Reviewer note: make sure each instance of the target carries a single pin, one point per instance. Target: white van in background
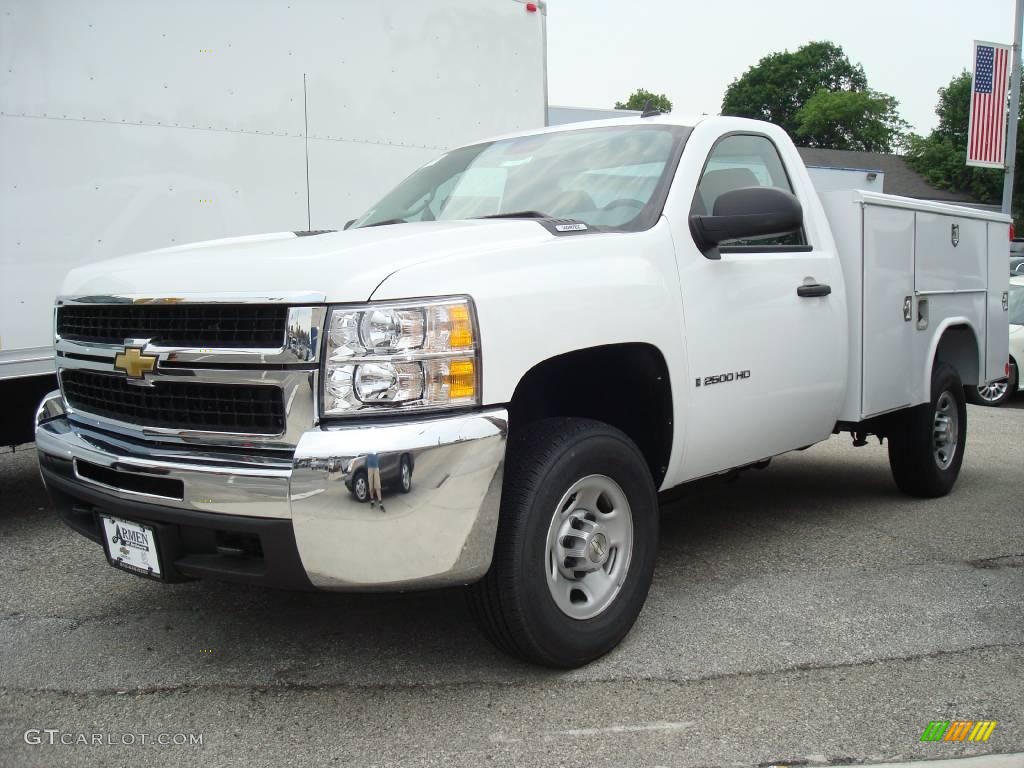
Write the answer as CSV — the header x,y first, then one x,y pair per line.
x,y
126,127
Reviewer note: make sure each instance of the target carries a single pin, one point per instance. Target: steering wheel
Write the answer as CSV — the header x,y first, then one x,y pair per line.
x,y
428,215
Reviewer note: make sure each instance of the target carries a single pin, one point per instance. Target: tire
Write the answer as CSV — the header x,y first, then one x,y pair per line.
x,y
405,475
361,486
923,462
995,394
515,604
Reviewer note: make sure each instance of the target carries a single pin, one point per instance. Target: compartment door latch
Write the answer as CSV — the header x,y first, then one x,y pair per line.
x,y
922,314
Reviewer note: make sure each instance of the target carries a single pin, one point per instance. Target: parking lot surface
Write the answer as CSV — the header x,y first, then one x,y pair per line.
x,y
807,613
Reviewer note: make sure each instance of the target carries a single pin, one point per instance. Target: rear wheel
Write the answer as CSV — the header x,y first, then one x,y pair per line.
x,y
405,477
576,544
997,392
926,449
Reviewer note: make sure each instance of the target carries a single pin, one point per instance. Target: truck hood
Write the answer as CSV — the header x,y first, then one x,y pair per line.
x,y
335,267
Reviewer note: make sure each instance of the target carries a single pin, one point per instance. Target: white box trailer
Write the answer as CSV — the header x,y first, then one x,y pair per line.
x,y
127,126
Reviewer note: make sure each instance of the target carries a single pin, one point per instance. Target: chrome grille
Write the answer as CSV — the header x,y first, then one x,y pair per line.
x,y
182,405
214,326
236,370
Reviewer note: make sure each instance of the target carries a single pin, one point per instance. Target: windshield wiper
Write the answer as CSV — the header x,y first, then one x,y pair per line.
x,y
385,223
517,215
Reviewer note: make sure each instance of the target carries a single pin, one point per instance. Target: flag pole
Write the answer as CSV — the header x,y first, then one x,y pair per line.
x,y
1011,132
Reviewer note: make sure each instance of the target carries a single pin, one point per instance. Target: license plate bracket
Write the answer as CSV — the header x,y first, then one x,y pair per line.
x,y
131,547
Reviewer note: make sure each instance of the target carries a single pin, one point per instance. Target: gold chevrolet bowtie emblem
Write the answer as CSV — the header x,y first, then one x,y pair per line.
x,y
134,363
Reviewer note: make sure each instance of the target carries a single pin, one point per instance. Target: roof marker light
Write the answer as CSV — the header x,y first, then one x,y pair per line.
x,y
531,7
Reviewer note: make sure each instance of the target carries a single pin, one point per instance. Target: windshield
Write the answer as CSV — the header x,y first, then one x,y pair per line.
x,y
1016,304
611,178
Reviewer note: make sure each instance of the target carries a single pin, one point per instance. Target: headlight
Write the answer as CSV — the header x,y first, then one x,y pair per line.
x,y
407,355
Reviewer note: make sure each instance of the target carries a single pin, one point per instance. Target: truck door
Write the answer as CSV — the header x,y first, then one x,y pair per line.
x,y
765,325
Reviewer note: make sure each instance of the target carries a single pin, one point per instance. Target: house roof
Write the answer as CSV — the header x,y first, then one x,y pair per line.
x,y
900,178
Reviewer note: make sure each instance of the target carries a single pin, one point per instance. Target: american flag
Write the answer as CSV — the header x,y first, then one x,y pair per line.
x,y
986,136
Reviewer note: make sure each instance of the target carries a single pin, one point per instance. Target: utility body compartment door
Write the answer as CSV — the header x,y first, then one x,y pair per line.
x,y
951,253
887,309
997,335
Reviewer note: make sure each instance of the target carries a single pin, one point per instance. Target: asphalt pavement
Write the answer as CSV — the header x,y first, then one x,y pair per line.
x,y
806,614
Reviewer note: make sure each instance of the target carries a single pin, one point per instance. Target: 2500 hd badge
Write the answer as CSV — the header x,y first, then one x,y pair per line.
x,y
722,378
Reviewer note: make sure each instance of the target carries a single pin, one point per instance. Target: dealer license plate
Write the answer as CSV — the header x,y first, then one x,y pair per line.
x,y
131,546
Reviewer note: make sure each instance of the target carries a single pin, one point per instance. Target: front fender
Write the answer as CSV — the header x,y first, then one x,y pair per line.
x,y
543,300
540,301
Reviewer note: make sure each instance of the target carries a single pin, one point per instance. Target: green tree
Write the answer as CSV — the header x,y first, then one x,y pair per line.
x,y
780,84
861,120
820,98
954,109
638,98
941,157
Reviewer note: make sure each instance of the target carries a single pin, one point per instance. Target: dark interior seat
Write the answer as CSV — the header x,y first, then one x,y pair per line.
x,y
716,183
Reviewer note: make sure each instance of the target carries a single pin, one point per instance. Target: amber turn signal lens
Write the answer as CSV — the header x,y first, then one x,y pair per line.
x,y
461,379
460,325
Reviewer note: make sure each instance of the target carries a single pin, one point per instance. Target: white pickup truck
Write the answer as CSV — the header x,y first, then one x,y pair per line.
x,y
488,378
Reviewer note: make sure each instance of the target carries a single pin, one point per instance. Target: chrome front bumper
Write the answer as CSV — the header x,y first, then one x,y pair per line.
x,y
439,532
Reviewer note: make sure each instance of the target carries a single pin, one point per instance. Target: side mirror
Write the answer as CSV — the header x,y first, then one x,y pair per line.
x,y
747,212
349,223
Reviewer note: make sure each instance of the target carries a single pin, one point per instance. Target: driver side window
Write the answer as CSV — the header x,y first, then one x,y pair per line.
x,y
737,162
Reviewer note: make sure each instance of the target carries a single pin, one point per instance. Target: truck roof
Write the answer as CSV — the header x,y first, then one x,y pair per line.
x,y
665,119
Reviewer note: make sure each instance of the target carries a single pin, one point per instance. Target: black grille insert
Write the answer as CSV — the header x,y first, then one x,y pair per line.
x,y
129,481
253,409
177,325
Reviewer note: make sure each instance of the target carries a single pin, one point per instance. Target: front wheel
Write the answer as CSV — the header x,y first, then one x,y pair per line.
x,y
576,544
361,486
926,449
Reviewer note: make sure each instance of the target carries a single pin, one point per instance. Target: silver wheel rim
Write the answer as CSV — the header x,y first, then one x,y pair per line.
x,y
945,430
993,392
360,488
589,547
406,480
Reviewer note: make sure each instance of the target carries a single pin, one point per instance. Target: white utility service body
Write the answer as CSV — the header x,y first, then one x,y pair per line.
x,y
945,267
129,127
659,300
